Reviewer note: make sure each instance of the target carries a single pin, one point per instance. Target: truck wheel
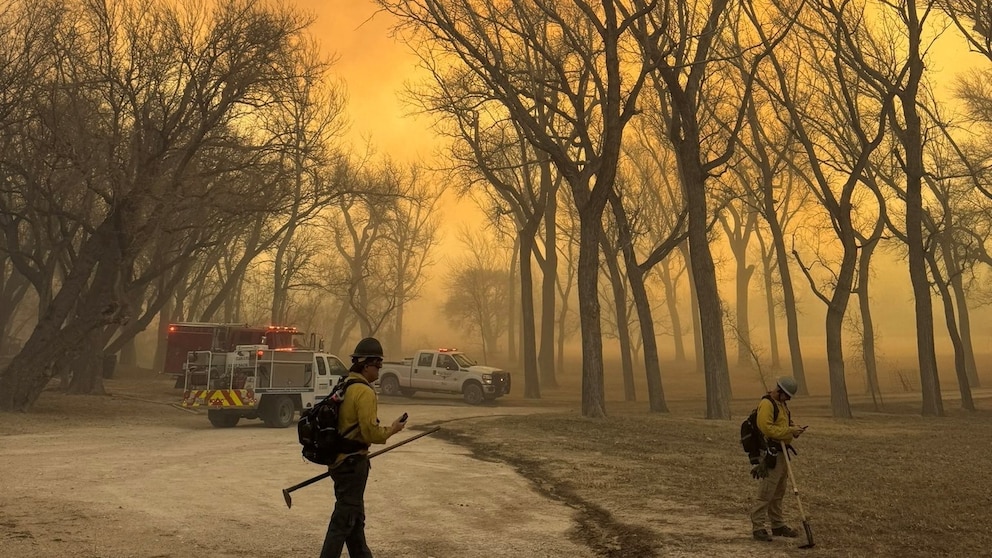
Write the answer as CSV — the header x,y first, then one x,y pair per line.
x,y
279,413
223,419
473,393
390,386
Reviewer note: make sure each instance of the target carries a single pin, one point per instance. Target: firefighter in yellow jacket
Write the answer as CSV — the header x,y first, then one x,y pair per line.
x,y
350,472
778,428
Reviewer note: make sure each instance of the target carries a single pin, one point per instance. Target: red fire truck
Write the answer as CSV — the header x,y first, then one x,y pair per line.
x,y
184,337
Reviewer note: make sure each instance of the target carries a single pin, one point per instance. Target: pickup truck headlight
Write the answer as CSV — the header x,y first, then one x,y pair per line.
x,y
487,379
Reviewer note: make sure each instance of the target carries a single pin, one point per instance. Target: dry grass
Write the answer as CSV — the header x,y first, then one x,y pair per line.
x,y
892,484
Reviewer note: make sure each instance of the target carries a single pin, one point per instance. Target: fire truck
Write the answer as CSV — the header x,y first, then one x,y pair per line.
x,y
184,337
255,381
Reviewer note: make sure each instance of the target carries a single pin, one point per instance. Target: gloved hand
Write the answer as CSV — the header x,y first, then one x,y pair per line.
x,y
759,471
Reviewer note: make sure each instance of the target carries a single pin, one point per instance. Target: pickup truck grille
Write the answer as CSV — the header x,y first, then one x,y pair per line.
x,y
501,381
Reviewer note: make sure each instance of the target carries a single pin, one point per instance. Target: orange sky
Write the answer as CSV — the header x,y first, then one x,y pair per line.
x,y
374,66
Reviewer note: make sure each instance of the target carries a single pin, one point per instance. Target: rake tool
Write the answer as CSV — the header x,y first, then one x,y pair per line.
x,y
322,476
795,490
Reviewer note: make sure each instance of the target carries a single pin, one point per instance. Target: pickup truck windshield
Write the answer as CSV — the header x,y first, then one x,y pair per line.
x,y
463,360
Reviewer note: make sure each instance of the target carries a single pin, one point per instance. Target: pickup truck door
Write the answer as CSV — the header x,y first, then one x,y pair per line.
x,y
323,384
336,369
449,374
423,374
330,370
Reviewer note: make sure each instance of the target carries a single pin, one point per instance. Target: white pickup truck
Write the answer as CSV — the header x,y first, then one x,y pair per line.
x,y
443,371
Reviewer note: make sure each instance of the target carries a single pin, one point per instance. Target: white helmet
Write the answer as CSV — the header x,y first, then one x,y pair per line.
x,y
788,385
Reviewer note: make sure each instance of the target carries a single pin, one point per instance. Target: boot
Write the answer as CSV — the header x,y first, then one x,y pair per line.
x,y
785,531
761,535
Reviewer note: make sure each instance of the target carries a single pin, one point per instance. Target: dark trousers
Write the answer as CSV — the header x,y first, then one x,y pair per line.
x,y
347,526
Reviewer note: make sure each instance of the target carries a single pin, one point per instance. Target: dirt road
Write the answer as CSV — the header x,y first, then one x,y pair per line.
x,y
129,479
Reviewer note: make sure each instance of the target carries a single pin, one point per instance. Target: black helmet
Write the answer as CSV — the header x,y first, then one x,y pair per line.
x,y
370,347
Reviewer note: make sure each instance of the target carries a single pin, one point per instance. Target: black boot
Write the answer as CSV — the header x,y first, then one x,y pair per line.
x,y
785,531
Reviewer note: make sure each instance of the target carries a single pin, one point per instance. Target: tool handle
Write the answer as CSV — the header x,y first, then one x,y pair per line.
x,y
795,489
308,482
323,476
407,441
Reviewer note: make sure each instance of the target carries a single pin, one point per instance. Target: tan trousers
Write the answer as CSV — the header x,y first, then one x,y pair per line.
x,y
768,503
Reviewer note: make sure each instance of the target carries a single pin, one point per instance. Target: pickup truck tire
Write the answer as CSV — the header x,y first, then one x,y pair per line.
x,y
279,412
472,391
223,419
389,385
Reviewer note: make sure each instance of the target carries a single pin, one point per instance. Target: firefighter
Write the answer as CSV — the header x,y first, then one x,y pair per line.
x,y
778,428
350,472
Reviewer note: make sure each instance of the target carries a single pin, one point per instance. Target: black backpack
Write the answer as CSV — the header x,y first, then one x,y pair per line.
x,y
752,440
318,428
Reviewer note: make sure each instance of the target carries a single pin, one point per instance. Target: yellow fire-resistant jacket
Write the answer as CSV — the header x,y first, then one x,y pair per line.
x,y
361,406
775,430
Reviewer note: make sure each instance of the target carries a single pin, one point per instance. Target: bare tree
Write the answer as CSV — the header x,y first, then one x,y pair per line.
x,y
594,77
693,83
840,123
740,224
477,291
145,149
491,151
382,235
778,197
620,324
304,121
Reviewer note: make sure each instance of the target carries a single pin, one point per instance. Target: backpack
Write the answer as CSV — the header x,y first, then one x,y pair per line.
x,y
752,440
318,428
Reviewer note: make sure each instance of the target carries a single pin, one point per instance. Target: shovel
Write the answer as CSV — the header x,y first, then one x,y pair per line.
x,y
795,490
286,491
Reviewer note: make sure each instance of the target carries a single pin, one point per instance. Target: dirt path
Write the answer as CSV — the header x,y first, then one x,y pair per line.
x,y
181,488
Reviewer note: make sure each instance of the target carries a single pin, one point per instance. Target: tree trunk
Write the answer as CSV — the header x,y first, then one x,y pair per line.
x,y
926,355
635,277
716,373
836,310
511,320
964,318
87,376
652,364
129,353
697,335
739,226
593,391
546,356
532,382
13,287
672,301
398,325
744,347
867,324
165,317
788,295
769,284
952,330
912,140
623,331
